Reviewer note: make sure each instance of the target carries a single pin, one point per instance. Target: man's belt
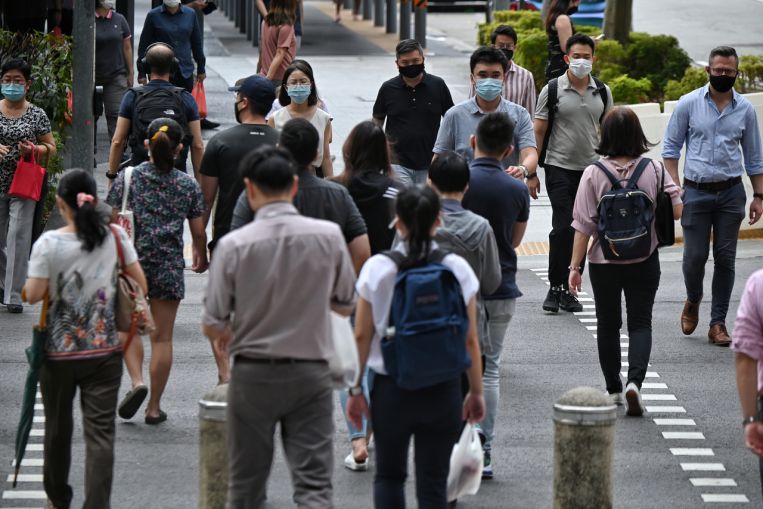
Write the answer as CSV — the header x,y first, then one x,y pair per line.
x,y
713,187
277,360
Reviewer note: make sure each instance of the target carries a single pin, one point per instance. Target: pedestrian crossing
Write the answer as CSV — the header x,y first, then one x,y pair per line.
x,y
587,318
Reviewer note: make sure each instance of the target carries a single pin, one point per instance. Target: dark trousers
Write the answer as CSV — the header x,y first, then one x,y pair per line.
x,y
432,416
98,382
639,282
722,213
562,186
179,81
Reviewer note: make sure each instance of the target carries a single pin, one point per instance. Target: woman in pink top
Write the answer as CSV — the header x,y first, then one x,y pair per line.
x,y
279,43
622,145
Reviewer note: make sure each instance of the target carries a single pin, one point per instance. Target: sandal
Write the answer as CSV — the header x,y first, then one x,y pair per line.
x,y
156,420
132,401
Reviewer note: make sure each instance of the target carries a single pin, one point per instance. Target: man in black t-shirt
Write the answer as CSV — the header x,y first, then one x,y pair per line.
x,y
413,103
226,150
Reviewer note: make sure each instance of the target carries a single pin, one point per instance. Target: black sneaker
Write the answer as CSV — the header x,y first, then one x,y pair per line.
x,y
568,302
552,300
208,124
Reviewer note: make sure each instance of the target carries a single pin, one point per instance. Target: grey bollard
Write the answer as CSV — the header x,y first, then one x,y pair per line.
x,y
584,436
213,449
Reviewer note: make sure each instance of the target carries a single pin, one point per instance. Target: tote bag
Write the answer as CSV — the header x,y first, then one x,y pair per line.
x,y
28,179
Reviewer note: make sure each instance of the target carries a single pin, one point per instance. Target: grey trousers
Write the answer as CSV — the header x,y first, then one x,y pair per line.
x,y
299,397
409,176
113,91
16,222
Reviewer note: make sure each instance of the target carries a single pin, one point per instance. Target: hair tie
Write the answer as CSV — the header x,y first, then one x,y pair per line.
x,y
162,129
83,198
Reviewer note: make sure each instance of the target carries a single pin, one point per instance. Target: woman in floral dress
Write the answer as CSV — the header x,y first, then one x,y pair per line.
x,y
161,199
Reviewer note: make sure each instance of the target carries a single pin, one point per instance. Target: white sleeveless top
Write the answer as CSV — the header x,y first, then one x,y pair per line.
x,y
320,120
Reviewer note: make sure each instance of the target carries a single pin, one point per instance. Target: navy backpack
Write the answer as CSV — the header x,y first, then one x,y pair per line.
x,y
425,343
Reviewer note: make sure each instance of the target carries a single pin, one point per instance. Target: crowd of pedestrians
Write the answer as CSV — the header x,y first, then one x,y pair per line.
x,y
431,191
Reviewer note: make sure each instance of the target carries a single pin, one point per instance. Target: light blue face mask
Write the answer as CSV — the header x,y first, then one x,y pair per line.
x,y
298,93
13,91
489,88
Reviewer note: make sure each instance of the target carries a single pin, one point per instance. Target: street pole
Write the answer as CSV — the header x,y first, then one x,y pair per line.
x,y
379,13
368,10
82,144
405,19
213,451
391,17
420,22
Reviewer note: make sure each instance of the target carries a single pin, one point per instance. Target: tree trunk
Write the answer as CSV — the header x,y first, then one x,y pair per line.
x,y
618,18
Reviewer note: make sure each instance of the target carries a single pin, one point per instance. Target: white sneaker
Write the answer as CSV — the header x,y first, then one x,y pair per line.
x,y
350,463
633,405
616,398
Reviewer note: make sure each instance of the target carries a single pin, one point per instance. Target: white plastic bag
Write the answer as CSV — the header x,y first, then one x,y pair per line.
x,y
465,465
344,363
126,218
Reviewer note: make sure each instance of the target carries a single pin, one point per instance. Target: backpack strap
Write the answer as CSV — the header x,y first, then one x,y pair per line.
x,y
610,176
437,256
553,106
633,181
602,91
395,256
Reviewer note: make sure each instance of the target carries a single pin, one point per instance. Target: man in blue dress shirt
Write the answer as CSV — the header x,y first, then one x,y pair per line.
x,y
714,122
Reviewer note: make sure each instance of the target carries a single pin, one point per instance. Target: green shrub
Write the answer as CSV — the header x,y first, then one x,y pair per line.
x,y
610,60
693,78
532,53
55,168
520,20
751,74
627,90
657,57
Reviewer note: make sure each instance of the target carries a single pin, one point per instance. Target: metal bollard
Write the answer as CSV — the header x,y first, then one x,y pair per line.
x,y
405,19
420,23
379,13
213,449
391,17
584,435
368,10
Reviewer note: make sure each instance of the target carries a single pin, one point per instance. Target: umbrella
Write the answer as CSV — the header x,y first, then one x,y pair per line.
x,y
35,354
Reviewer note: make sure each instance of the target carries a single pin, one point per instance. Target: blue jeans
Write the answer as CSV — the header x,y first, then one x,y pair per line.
x,y
498,314
432,416
408,176
722,213
361,432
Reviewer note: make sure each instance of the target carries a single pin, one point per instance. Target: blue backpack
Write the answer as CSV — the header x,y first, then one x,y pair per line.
x,y
425,343
626,215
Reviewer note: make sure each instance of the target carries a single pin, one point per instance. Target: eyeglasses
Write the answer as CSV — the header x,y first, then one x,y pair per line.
x,y
17,81
717,71
303,81
504,46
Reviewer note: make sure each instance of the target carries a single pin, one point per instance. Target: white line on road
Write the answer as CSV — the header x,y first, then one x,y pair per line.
x,y
587,320
658,397
712,481
683,435
703,467
37,433
585,313
30,462
39,406
666,409
30,494
675,422
727,498
27,478
38,418
654,385
685,451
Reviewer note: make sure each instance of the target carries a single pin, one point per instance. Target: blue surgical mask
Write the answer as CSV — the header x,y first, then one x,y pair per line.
x,y
298,93
13,91
489,88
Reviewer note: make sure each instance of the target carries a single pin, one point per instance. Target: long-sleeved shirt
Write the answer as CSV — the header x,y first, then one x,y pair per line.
x,y
274,280
181,31
713,138
748,328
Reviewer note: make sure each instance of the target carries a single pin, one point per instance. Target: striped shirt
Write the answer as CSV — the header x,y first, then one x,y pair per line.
x,y
518,87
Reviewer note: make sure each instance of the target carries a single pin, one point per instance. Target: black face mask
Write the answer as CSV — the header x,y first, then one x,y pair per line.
x,y
508,53
572,10
237,112
411,71
722,83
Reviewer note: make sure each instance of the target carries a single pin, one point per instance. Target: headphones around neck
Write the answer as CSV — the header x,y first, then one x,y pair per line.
x,y
147,67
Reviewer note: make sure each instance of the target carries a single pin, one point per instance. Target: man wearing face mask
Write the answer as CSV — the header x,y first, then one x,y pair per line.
x,y
488,66
714,122
518,82
226,150
412,103
567,121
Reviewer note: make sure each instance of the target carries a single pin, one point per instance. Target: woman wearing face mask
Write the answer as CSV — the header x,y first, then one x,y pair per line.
x,y
559,28
113,59
24,132
299,96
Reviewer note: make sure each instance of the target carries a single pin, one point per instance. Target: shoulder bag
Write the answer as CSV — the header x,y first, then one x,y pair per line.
x,y
664,224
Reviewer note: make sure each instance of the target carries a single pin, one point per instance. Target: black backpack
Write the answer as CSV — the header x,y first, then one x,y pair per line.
x,y
152,103
553,107
626,215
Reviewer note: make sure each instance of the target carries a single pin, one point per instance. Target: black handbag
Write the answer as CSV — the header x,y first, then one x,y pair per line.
x,y
664,224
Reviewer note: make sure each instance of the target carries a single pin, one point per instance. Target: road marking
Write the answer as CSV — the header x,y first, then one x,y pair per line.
x,y
666,409
728,498
585,313
587,320
703,467
658,397
37,433
712,481
589,306
27,478
39,406
29,494
30,462
654,385
683,435
592,327
675,422
685,451
38,418
649,374
35,447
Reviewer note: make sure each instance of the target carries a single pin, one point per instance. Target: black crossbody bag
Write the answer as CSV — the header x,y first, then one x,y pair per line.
x,y
664,224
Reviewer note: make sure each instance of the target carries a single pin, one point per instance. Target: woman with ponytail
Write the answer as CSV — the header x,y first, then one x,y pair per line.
x,y
433,414
76,267
161,199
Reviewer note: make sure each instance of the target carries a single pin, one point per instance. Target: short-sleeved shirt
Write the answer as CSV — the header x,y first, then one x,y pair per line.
x,y
82,288
575,133
30,126
748,328
127,108
504,201
376,285
320,120
274,37
413,117
222,157
461,121
518,87
110,33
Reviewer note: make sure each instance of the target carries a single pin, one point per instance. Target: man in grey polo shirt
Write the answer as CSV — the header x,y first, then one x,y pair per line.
x,y
267,306
488,66
580,106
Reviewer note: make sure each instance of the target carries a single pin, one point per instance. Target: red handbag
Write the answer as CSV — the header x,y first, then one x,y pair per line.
x,y
201,98
28,179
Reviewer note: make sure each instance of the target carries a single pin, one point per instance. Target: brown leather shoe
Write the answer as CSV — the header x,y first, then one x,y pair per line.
x,y
718,335
689,317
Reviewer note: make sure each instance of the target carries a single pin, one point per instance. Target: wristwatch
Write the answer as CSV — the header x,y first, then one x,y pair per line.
x,y
355,391
524,169
749,420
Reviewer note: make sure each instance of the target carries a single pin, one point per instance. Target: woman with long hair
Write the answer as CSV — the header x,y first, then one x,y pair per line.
x,y
559,28
76,265
299,98
279,41
433,414
161,199
622,147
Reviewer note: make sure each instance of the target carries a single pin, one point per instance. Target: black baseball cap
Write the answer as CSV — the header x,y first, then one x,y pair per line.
x,y
257,88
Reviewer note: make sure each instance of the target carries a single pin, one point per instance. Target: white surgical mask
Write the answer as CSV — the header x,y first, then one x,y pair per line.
x,y
581,67
171,3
